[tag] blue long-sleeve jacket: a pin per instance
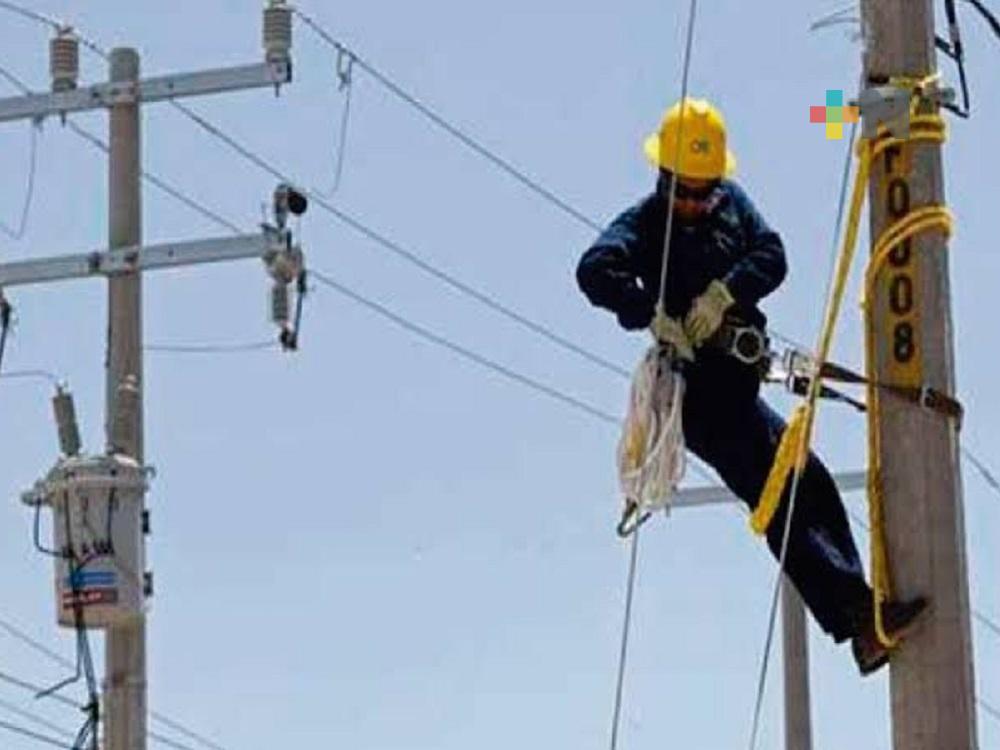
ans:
(732, 243)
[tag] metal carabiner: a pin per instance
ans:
(631, 514)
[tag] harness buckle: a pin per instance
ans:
(746, 344)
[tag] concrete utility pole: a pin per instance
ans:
(798, 722)
(932, 683)
(105, 596)
(125, 645)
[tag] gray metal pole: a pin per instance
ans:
(798, 722)
(125, 647)
(931, 677)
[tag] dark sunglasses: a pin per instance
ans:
(684, 192)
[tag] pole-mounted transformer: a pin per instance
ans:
(97, 524)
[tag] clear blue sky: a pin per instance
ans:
(374, 544)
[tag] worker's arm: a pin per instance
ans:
(763, 266)
(608, 273)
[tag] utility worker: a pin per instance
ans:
(723, 259)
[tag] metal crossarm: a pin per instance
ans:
(131, 259)
(160, 88)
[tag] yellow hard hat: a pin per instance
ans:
(703, 152)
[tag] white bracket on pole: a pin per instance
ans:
(701, 496)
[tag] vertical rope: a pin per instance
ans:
(633, 558)
(626, 626)
(677, 153)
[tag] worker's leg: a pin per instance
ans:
(739, 439)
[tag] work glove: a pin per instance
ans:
(667, 330)
(707, 312)
(636, 310)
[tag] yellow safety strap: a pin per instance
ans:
(924, 128)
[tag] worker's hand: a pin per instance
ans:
(636, 310)
(707, 312)
(668, 330)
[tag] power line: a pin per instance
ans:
(34, 735)
(18, 634)
(462, 136)
(31, 15)
(148, 176)
(37, 690)
(472, 356)
(35, 718)
(253, 346)
(983, 469)
(400, 251)
(159, 183)
(29, 192)
(462, 351)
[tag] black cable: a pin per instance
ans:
(988, 15)
(5, 315)
(14, 729)
(463, 137)
(35, 719)
(396, 249)
(87, 737)
(155, 736)
(464, 352)
(957, 54)
(22, 226)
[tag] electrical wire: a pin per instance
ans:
(411, 257)
(402, 252)
(34, 718)
(31, 15)
(345, 75)
(37, 690)
(987, 14)
(253, 346)
(154, 180)
(464, 352)
(462, 136)
(30, 375)
(158, 182)
(984, 471)
(14, 729)
(29, 192)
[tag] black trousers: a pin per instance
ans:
(730, 427)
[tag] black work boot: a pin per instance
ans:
(898, 618)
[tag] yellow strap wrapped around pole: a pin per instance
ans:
(925, 128)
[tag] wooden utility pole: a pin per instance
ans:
(798, 723)
(933, 705)
(125, 648)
